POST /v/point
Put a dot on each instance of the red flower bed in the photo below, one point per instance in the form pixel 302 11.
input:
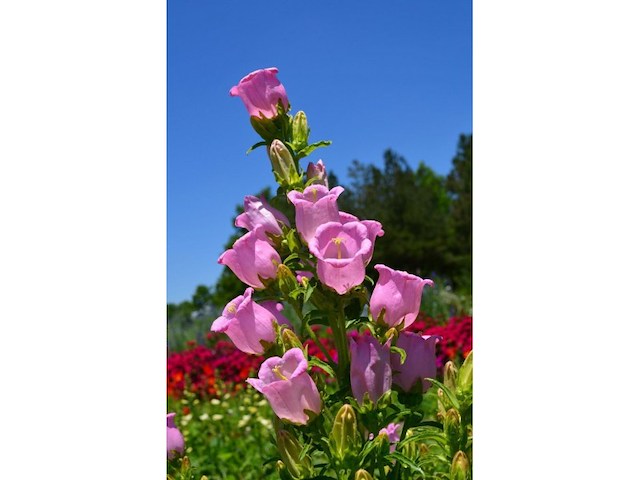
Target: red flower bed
pixel 206 370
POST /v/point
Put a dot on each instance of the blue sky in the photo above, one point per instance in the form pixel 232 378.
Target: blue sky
pixel 369 76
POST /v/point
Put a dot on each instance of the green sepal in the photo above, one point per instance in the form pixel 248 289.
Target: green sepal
pixel 316 362
pixel 256 145
pixel 450 395
pixel 401 352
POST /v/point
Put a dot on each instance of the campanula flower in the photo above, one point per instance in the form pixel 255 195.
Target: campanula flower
pixel 315 206
pixel 288 387
pixel 258 212
pixel 374 229
pixel 252 258
pixel 342 252
pixel 370 368
pixel 399 294
pixel 175 441
pixel 260 92
pixel 420 362
pixel 249 325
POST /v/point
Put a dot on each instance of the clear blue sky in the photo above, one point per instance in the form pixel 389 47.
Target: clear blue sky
pixel 369 75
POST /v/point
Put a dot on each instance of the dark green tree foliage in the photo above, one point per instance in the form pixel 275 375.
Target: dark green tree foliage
pixel 459 187
pixel 413 207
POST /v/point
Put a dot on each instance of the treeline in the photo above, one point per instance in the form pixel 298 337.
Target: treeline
pixel 426 218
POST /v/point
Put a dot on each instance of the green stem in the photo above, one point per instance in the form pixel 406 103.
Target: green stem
pixel 312 334
pixel 338 326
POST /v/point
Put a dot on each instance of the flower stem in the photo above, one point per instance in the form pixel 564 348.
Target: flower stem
pixel 338 325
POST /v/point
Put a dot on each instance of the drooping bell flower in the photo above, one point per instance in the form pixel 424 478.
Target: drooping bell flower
pixel 370 368
pixel 252 258
pixel 288 387
pixel 318 173
pixel 260 92
pixel 399 294
pixel 315 206
pixel 374 229
pixel 249 325
pixel 175 440
pixel 341 251
pixel 420 362
pixel 258 212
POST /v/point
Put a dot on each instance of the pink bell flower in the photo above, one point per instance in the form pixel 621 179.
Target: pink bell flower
pixel 374 229
pixel 392 431
pixel 288 387
pixel 315 206
pixel 258 212
pixel 276 309
pixel 252 258
pixel 420 362
pixel 248 324
pixel 318 173
pixel 370 368
pixel 399 294
pixel 175 440
pixel 341 251
pixel 260 92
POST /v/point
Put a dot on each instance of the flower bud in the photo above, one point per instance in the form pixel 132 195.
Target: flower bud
pixel 300 131
pixel 284 167
pixel 290 451
pixel 465 376
pixel 452 427
pixel 363 475
pixel 286 279
pixel 450 376
pixel 290 340
pixel 345 438
pixel 460 467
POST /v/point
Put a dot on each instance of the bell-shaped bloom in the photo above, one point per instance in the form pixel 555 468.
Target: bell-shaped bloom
pixel 317 173
pixel 252 258
pixel 399 294
pixel 374 229
pixel 258 212
pixel 370 368
pixel 315 206
pixel 420 362
pixel 260 92
pixel 175 441
pixel 249 325
pixel 288 387
pixel 341 251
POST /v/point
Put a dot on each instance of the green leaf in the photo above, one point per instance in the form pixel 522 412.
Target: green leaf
pixel 406 462
pixel 447 392
pixel 316 362
pixel 257 145
pixel 310 148
pixel 308 293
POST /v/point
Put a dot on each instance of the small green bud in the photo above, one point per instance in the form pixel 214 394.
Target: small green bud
pixel 185 465
pixel 452 428
pixel 290 451
pixel 286 279
pixel 363 475
pixel 290 340
pixel 460 467
pixel 300 131
pixel 284 167
pixel 465 376
pixel 345 438
pixel 450 376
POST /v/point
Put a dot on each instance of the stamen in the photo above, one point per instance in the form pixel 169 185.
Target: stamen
pixel 315 194
pixel 277 371
pixel 232 308
pixel 338 241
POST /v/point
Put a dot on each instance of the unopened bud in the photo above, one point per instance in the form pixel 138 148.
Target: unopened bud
pixel 284 167
pixel 450 376
pixel 363 475
pixel 465 376
pixel 460 467
pixel 290 340
pixel 452 427
pixel 290 451
pixel 317 174
pixel 300 130
pixel 286 279
pixel 345 438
